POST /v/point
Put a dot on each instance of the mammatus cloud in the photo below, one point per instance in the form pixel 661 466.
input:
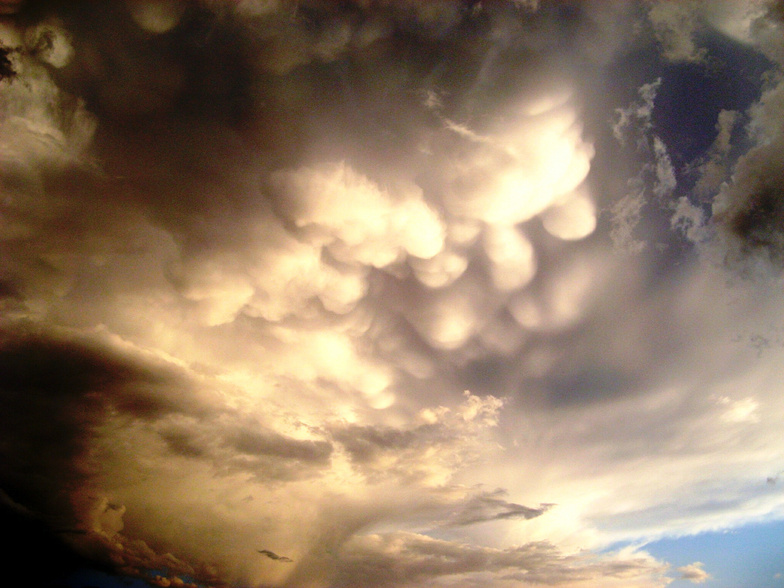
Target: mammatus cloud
pixel 253 254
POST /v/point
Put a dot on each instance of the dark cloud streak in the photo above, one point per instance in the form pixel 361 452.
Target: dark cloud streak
pixel 491 506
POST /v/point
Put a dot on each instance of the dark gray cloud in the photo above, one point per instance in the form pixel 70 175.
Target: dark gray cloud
pixel 274 556
pixel 251 447
pixel 30 536
pixel 254 443
pixel 491 506
pixel 366 442
pixel 753 217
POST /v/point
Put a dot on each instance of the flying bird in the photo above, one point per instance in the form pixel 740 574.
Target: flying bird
pixel 275 556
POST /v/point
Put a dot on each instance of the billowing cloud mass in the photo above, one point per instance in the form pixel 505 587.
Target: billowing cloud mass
pixel 386 292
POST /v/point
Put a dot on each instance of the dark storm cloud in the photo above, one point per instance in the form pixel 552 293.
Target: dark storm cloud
pixel 59 392
pixel 28 536
pixel 56 392
pixel 130 75
pixel 755 215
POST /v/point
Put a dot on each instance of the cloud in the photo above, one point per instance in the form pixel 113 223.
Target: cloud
pixel 714 170
pixel 334 203
pixel 275 556
pixel 747 209
pixel 490 506
pixel 656 176
pixel 445 441
pixel 676 26
pixel 7 70
pixel 253 253
pixel 626 215
pixel 409 559
pixel 690 220
pixel 744 209
pixel 75 383
pixel 636 118
pixel 694 573
pixel 633 126
pixel 249 447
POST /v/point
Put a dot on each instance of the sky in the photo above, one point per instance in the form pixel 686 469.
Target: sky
pixel 392 293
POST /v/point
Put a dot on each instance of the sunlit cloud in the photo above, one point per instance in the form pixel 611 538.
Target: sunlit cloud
pixel 388 293
pixel 694 573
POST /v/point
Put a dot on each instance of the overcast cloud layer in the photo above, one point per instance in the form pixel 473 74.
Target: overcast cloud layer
pixel 390 293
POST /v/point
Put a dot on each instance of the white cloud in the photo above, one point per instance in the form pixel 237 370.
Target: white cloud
pixel 626 215
pixel 357 221
pixel 690 220
pixel 572 219
pixel 636 118
pixel 694 573
pixel 523 167
pixel 633 127
pixel 665 173
pixel 740 411
pixel 512 256
pixel 714 170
